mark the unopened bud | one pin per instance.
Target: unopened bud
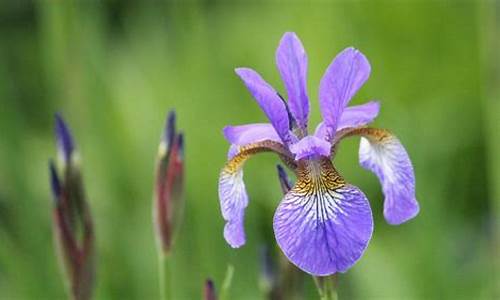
(209, 291)
(168, 201)
(73, 230)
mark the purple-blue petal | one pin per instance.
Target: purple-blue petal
(321, 132)
(250, 133)
(353, 116)
(359, 115)
(310, 146)
(268, 100)
(233, 202)
(232, 192)
(387, 158)
(323, 230)
(291, 60)
(343, 78)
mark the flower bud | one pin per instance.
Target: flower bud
(73, 230)
(209, 292)
(168, 200)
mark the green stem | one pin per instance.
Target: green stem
(226, 284)
(164, 276)
(327, 287)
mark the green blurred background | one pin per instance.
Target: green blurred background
(113, 69)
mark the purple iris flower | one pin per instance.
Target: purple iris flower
(323, 224)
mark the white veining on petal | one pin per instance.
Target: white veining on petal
(232, 192)
(323, 225)
(383, 155)
(234, 200)
(386, 157)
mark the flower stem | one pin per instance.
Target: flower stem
(226, 284)
(164, 266)
(327, 287)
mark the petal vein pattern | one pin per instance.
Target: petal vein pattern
(343, 78)
(268, 100)
(323, 225)
(232, 191)
(291, 60)
(383, 154)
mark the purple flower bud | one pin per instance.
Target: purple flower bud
(72, 221)
(65, 143)
(284, 181)
(170, 128)
(168, 201)
(180, 146)
(54, 181)
(209, 293)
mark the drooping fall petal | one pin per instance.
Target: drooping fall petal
(232, 191)
(383, 154)
(323, 225)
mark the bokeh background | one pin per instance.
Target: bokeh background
(113, 69)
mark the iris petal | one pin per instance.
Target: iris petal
(384, 155)
(234, 199)
(323, 225)
(359, 115)
(268, 100)
(291, 60)
(233, 150)
(353, 116)
(250, 133)
(343, 78)
(232, 192)
(310, 146)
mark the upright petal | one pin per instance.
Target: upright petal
(232, 192)
(359, 115)
(268, 100)
(383, 154)
(250, 133)
(323, 225)
(291, 60)
(343, 78)
(353, 116)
